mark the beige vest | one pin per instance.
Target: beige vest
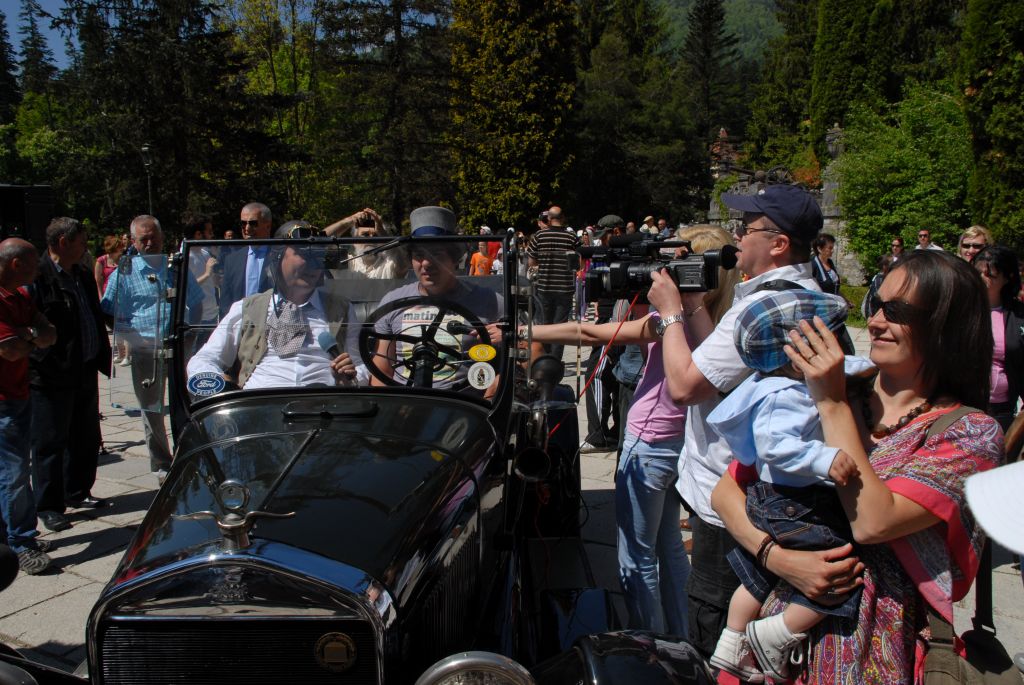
(252, 341)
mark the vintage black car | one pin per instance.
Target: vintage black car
(367, 525)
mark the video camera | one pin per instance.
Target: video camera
(627, 263)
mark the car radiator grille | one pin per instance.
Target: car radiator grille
(229, 652)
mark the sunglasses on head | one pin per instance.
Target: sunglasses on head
(303, 232)
(895, 311)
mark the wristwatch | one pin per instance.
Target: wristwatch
(666, 322)
(33, 333)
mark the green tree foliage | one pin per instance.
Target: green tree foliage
(866, 50)
(637, 150)
(905, 170)
(381, 131)
(159, 73)
(513, 84)
(992, 71)
(711, 57)
(37, 67)
(10, 92)
(777, 131)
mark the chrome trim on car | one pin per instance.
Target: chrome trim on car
(351, 588)
(501, 667)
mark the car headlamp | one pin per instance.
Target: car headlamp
(476, 668)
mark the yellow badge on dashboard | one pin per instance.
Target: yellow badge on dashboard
(482, 353)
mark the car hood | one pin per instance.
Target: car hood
(371, 481)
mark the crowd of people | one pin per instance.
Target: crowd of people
(826, 504)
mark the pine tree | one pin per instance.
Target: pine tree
(780, 105)
(513, 85)
(10, 93)
(711, 56)
(382, 132)
(37, 69)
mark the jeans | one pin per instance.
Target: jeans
(554, 308)
(653, 567)
(65, 441)
(807, 518)
(711, 584)
(17, 506)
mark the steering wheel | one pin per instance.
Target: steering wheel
(441, 354)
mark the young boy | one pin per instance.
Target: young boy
(770, 421)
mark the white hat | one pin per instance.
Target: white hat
(995, 499)
(485, 230)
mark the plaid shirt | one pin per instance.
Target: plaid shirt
(135, 297)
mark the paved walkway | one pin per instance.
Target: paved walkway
(45, 616)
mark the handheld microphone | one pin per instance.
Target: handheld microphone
(328, 344)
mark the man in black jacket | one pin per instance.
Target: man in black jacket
(246, 271)
(65, 398)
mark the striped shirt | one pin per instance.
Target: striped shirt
(551, 247)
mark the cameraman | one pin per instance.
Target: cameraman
(652, 561)
(779, 225)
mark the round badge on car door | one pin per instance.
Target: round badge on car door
(336, 652)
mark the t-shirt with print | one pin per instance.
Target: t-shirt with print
(485, 304)
(16, 311)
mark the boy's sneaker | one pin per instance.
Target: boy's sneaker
(774, 646)
(733, 655)
(33, 561)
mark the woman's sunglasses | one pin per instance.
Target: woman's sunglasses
(897, 312)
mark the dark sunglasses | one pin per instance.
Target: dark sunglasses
(897, 312)
(251, 222)
(924, 235)
(972, 246)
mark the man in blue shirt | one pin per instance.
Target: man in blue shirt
(142, 315)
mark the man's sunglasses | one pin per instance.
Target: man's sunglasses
(924, 235)
(251, 222)
(742, 230)
(897, 312)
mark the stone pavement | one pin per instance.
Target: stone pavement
(45, 616)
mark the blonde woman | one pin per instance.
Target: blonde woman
(973, 240)
(653, 566)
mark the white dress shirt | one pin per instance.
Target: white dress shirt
(308, 366)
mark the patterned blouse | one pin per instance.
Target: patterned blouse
(936, 565)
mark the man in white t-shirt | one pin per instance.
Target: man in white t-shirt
(924, 241)
(779, 223)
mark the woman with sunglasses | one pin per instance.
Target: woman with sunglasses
(919, 546)
(973, 240)
(897, 248)
(1000, 272)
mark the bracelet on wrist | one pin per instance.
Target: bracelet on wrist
(690, 314)
(762, 547)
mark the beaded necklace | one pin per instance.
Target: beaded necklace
(881, 430)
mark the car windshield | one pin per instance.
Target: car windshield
(388, 462)
(321, 312)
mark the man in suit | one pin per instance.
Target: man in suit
(65, 395)
(245, 271)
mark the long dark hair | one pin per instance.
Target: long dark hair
(1004, 261)
(954, 333)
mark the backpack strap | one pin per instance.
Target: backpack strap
(778, 284)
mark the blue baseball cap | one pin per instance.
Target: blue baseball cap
(762, 329)
(791, 208)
